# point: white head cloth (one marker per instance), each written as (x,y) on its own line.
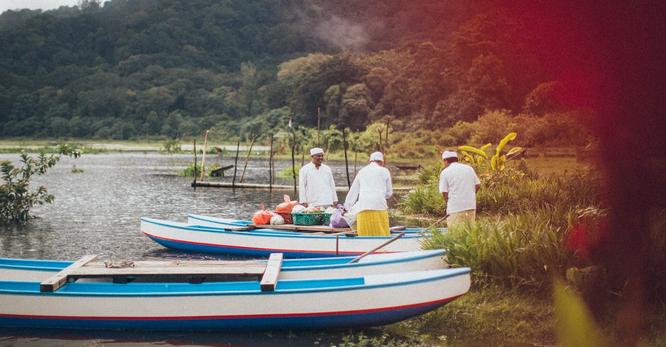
(316,151)
(377,156)
(449,154)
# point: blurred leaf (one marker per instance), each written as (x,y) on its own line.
(575,324)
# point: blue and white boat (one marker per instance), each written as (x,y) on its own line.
(217,222)
(262,242)
(308,268)
(324,303)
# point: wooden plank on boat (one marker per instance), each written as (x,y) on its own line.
(270,278)
(56,281)
(174,271)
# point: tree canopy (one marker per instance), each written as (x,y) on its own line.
(128,69)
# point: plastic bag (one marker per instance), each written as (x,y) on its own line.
(286,206)
(298,209)
(337,219)
(262,217)
(277,220)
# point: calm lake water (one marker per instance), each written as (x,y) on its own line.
(97,212)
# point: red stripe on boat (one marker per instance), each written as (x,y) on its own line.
(253,316)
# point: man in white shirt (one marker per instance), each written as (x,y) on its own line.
(366,200)
(458,184)
(315,182)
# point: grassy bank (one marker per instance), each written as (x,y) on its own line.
(490,316)
(532,228)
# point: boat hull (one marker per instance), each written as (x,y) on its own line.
(262,242)
(295,304)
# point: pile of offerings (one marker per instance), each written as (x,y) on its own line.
(290,212)
(311,215)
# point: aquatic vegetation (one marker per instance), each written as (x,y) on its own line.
(16,196)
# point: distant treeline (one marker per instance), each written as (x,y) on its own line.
(131,69)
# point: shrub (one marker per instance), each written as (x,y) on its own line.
(189,170)
(459,133)
(171,146)
(517,250)
(16,197)
(491,126)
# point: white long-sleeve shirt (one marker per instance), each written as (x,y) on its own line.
(316,186)
(371,187)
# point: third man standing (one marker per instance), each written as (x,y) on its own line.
(458,184)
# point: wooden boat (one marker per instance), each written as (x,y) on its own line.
(310,268)
(237,224)
(263,242)
(80,296)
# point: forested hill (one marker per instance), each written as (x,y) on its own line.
(133,68)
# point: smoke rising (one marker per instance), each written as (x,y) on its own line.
(332,29)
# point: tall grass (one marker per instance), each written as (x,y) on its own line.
(523,221)
(517,250)
(508,191)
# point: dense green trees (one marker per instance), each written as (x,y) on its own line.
(174,68)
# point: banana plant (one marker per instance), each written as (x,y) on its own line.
(480,158)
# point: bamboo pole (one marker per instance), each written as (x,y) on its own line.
(194,183)
(293,157)
(247,158)
(270,167)
(203,156)
(318,127)
(344,145)
(355,260)
(233,183)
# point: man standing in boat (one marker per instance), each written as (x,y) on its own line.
(367,196)
(458,184)
(315,182)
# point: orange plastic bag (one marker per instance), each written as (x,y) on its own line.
(286,206)
(262,217)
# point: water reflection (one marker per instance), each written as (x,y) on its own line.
(98,211)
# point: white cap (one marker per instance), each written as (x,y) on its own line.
(449,154)
(316,151)
(377,156)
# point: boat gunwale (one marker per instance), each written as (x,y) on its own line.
(442,275)
(242,223)
(400,257)
(269,232)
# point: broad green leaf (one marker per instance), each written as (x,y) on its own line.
(575,324)
(513,151)
(473,150)
(510,137)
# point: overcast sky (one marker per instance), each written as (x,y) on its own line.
(34,4)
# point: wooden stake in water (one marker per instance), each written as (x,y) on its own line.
(194,183)
(270,167)
(247,158)
(293,157)
(203,156)
(233,183)
(318,127)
